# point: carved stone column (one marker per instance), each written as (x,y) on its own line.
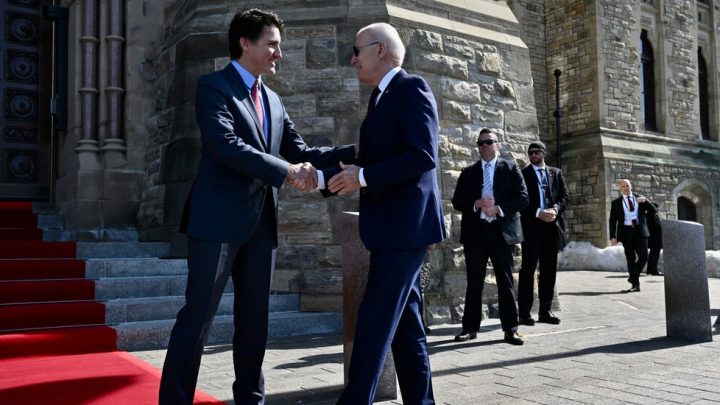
(114,145)
(88,150)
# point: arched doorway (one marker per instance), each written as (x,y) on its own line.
(686,210)
(694,203)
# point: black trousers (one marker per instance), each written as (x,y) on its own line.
(491,245)
(636,252)
(540,246)
(210,264)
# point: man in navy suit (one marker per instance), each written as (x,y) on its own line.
(231,214)
(490,195)
(400,216)
(544,231)
(628,225)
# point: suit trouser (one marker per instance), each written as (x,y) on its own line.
(209,266)
(389,317)
(636,252)
(540,245)
(491,245)
(653,260)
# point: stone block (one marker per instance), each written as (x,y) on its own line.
(321,53)
(687,302)
(313,302)
(355,266)
(181,160)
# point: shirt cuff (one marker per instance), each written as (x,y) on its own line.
(502,214)
(537,213)
(361,177)
(320,180)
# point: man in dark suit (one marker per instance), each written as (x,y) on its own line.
(231,214)
(490,195)
(400,216)
(544,231)
(628,225)
(654,243)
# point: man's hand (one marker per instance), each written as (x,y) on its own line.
(347,181)
(491,211)
(302,176)
(548,215)
(640,199)
(613,241)
(484,202)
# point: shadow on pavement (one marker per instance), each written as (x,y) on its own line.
(647,345)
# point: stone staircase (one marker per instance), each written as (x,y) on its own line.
(142,292)
(142,297)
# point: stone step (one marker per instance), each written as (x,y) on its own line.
(117,250)
(163,308)
(155,334)
(49,221)
(142,287)
(141,267)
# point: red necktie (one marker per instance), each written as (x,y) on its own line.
(373,97)
(255,94)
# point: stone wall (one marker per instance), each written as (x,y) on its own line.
(473,59)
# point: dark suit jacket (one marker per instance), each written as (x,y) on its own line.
(617,218)
(559,199)
(400,208)
(510,194)
(237,167)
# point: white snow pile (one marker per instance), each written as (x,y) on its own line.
(585,256)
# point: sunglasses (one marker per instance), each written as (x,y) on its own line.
(535,152)
(356,49)
(487,142)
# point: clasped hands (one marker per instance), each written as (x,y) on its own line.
(302,176)
(487,206)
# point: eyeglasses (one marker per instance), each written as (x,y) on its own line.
(487,142)
(356,49)
(535,152)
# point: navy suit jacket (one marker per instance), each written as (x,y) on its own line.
(510,195)
(237,166)
(617,218)
(400,208)
(559,199)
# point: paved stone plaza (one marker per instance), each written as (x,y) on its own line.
(610,348)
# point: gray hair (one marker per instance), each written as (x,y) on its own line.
(387,34)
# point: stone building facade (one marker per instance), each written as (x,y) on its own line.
(125,155)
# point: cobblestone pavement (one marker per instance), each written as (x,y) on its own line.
(611,348)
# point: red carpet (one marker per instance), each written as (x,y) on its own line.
(54,345)
(96,378)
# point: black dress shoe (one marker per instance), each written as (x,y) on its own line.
(529,321)
(513,338)
(465,336)
(635,288)
(656,274)
(549,318)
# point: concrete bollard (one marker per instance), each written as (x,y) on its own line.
(687,300)
(355,266)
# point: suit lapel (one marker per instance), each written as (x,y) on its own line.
(238,86)
(363,139)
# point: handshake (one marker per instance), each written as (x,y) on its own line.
(302,176)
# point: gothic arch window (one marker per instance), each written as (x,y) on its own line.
(647,81)
(686,210)
(704,100)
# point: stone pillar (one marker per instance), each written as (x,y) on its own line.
(355,266)
(114,146)
(88,150)
(687,301)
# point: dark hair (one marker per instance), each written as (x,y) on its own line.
(250,24)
